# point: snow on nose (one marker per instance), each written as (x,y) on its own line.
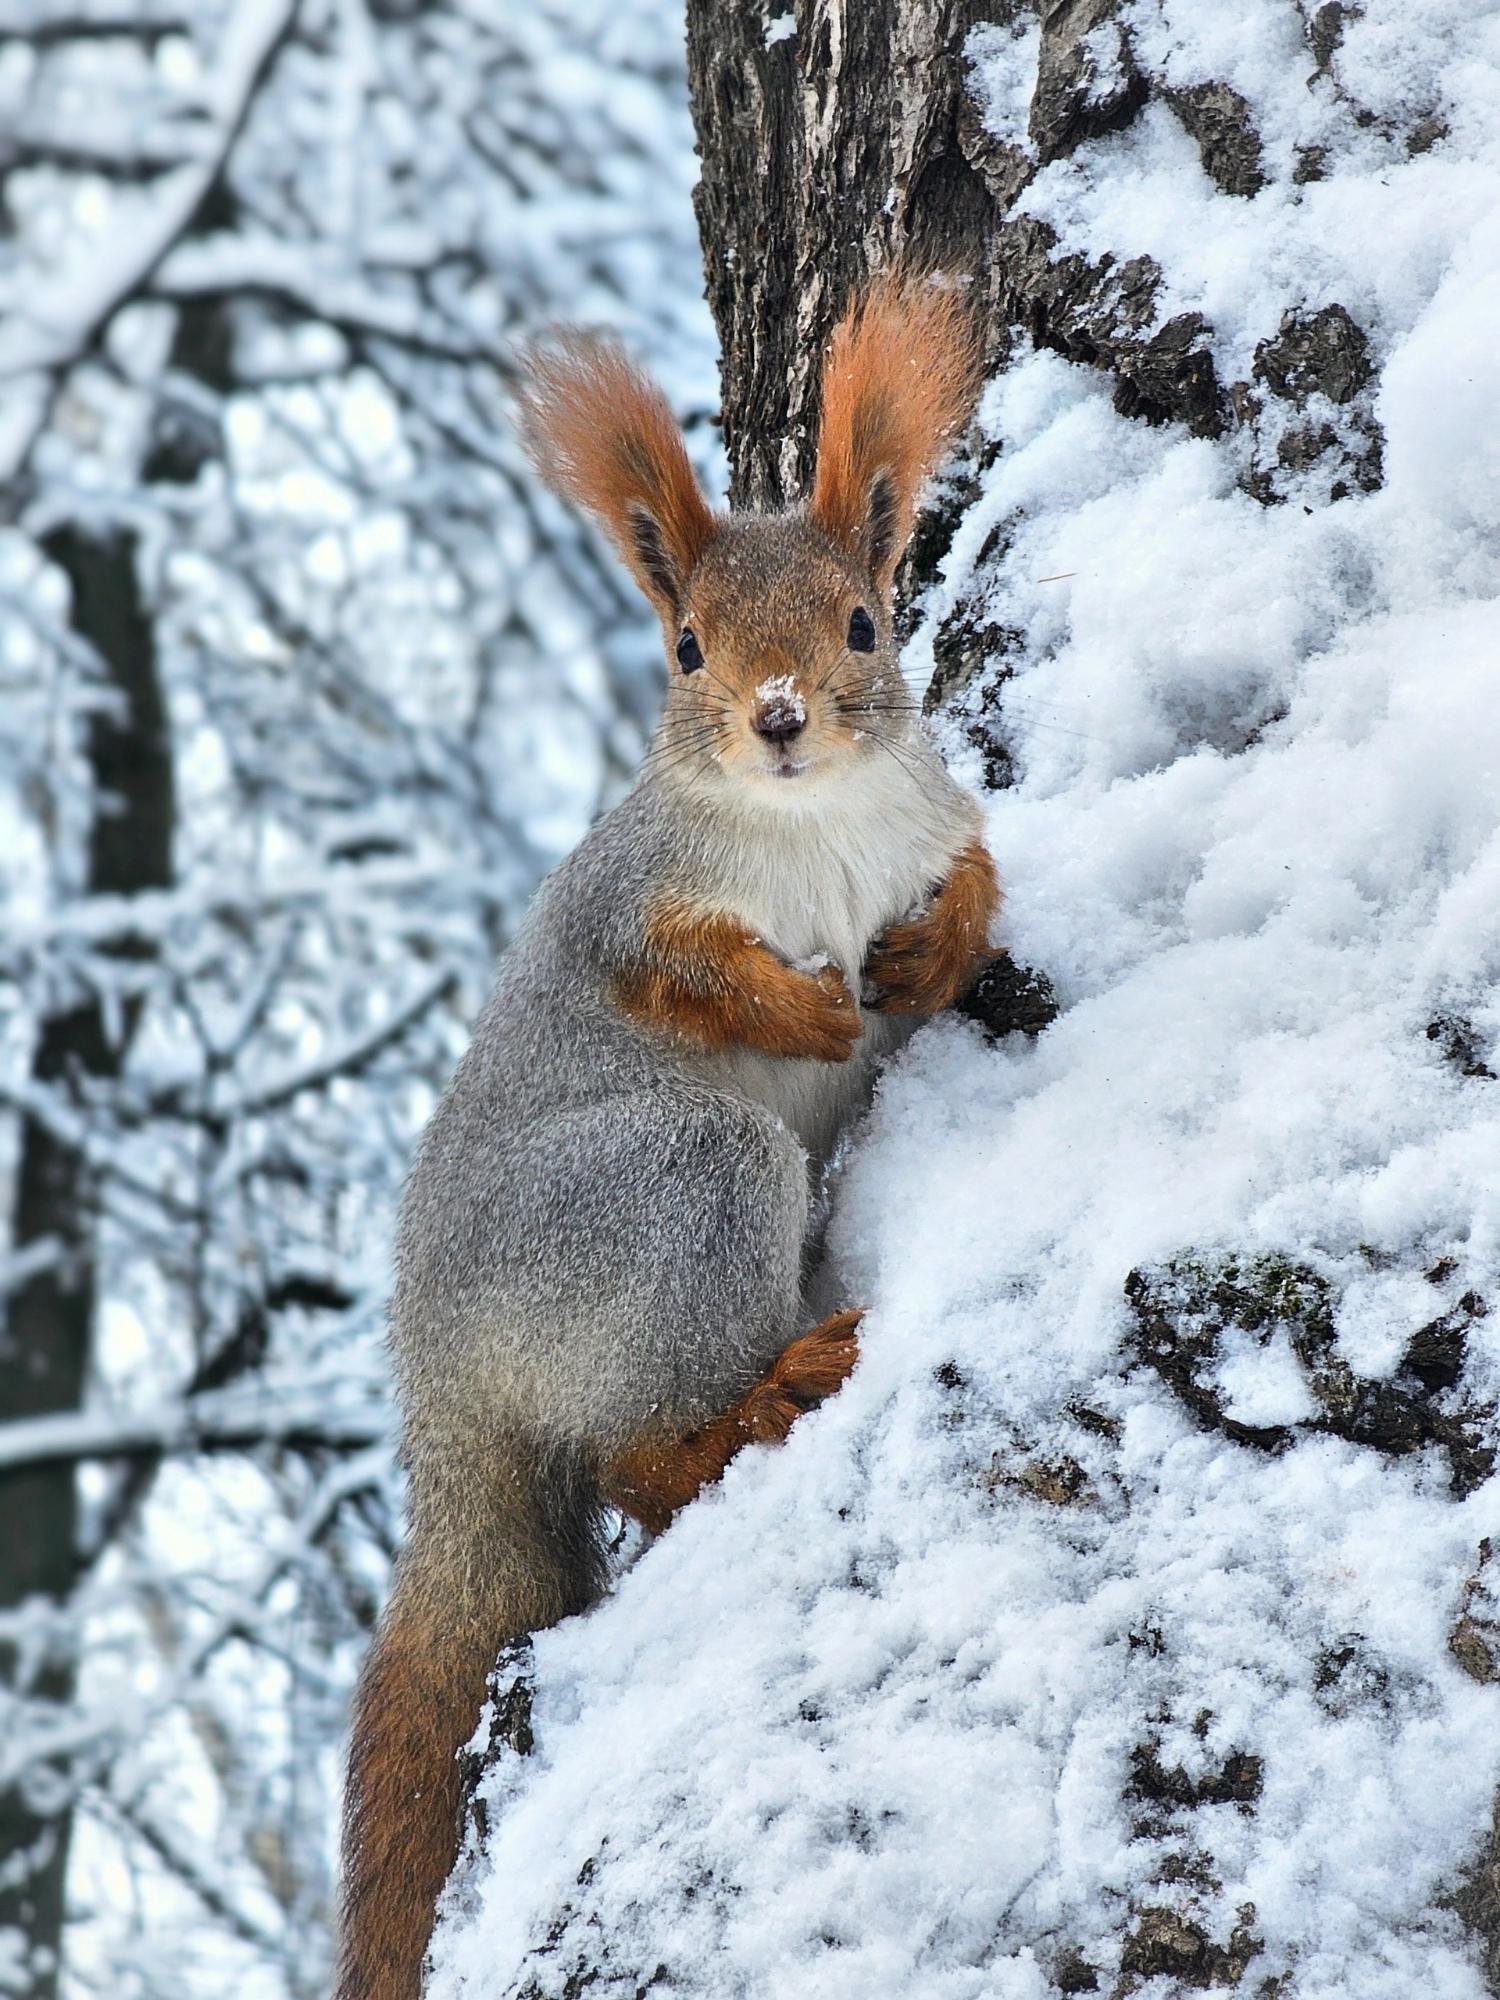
(780,712)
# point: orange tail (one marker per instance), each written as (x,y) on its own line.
(467,1584)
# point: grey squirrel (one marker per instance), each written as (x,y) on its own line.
(598,1298)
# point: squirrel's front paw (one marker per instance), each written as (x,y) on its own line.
(924,965)
(817,1017)
(913,968)
(704,975)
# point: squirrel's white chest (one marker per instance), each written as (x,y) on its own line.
(828,882)
(824,885)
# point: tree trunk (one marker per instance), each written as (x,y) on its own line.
(825,156)
(47,1334)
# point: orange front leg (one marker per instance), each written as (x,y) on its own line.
(704,975)
(925,965)
(659,1475)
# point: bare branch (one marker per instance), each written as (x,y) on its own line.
(44,27)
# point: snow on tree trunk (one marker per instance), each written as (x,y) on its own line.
(1129,1624)
(880,132)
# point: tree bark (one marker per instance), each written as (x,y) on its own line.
(47,1334)
(825,156)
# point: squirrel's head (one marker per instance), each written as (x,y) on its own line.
(780,657)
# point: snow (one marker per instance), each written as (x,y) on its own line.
(1003,75)
(865,1720)
(1375,234)
(781,29)
(781,692)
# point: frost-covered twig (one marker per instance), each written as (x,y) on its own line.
(349,1058)
(188,1869)
(302,275)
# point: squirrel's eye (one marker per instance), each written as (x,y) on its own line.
(861,631)
(689,655)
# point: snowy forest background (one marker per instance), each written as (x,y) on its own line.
(1129,1624)
(302,685)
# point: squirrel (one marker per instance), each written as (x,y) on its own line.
(600,1257)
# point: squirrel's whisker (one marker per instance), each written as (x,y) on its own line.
(908,760)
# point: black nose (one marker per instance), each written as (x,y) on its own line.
(779,725)
(778,711)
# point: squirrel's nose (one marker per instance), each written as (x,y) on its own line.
(780,712)
(779,725)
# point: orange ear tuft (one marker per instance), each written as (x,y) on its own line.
(600,432)
(899,378)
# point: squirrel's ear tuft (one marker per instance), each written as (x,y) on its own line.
(899,378)
(600,432)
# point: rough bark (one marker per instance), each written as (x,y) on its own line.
(823,155)
(46,1335)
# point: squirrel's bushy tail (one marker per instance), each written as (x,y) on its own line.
(493,1553)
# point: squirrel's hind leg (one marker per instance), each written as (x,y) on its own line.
(657,1476)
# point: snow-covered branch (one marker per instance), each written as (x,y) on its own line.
(335,1414)
(294,273)
(43,25)
(49,329)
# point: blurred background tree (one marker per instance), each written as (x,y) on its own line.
(303,684)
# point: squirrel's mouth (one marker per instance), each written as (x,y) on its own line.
(787,767)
